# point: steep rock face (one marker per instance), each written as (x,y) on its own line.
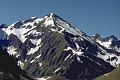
(9,70)
(51,46)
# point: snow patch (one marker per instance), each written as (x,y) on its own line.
(38,20)
(78,59)
(78,52)
(40,64)
(68,27)
(43,78)
(21,64)
(36,58)
(57,70)
(49,20)
(67,57)
(77,46)
(106,44)
(107,56)
(33,50)
(12,51)
(36,41)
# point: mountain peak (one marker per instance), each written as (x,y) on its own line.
(111,37)
(49,20)
(51,14)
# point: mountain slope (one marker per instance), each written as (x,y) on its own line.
(110,42)
(114,75)
(9,69)
(51,46)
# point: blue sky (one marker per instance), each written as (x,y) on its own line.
(90,16)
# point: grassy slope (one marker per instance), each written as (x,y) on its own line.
(114,75)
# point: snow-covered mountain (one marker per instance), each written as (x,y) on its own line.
(110,42)
(51,46)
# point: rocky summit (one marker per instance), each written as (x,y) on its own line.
(50,46)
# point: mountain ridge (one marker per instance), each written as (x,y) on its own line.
(51,46)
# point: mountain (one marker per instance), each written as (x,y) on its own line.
(114,75)
(110,42)
(50,46)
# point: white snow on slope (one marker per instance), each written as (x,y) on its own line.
(107,56)
(57,70)
(106,44)
(67,57)
(49,20)
(19,32)
(67,27)
(36,58)
(43,78)
(21,64)
(12,51)
(36,41)
(40,64)
(33,50)
(78,52)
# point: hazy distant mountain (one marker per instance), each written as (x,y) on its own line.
(50,46)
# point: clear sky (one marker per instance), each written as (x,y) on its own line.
(90,16)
